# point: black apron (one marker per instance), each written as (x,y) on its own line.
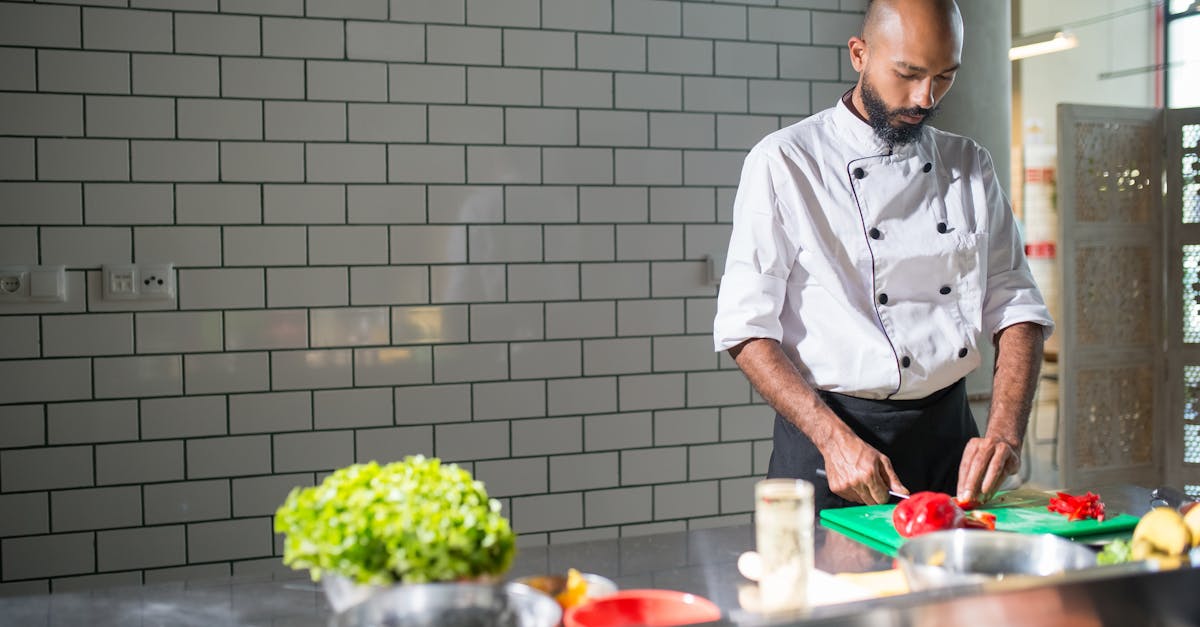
(924,439)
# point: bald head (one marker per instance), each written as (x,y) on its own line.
(932,18)
(907,58)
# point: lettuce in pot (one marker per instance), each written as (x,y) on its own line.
(412,521)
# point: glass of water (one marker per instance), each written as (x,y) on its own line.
(783,522)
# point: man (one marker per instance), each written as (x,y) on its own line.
(868,253)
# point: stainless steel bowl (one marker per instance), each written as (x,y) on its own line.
(965,556)
(453,605)
(597,585)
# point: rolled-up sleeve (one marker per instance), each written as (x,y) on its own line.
(757,264)
(1012,296)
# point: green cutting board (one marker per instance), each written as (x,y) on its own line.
(1023,511)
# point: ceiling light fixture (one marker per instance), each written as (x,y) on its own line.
(1041,43)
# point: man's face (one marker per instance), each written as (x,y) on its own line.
(895,125)
(907,59)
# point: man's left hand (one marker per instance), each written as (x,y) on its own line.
(986,463)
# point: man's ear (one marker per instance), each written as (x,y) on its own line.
(858,53)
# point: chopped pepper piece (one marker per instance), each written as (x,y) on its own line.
(980,520)
(1080,507)
(969,504)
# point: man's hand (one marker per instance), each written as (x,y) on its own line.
(989,460)
(857,472)
(986,463)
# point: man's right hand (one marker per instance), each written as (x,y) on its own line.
(857,472)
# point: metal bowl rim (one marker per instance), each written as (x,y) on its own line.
(1039,550)
(384,602)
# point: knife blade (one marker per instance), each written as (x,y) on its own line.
(821,473)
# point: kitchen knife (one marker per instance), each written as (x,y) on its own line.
(1166,496)
(821,473)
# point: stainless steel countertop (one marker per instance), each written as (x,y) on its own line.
(700,561)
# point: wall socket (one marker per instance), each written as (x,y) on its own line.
(147,281)
(27,284)
(11,282)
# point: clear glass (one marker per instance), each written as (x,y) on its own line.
(783,522)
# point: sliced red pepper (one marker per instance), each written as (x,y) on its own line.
(968,504)
(980,520)
(1081,507)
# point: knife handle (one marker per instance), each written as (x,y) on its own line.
(821,473)
(1166,496)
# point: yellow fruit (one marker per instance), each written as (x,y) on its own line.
(1141,549)
(575,592)
(1192,520)
(1164,530)
(1169,562)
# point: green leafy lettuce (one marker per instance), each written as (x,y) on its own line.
(412,521)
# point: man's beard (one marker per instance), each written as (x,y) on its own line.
(880,118)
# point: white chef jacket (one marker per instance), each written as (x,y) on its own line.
(875,269)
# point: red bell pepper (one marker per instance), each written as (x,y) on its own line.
(926,511)
(1080,507)
(933,511)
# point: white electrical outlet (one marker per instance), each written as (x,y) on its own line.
(156,281)
(152,281)
(14,283)
(25,284)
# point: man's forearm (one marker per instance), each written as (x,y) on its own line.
(776,378)
(855,471)
(1018,362)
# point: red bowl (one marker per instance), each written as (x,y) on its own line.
(652,608)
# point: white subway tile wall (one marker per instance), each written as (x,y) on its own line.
(467,228)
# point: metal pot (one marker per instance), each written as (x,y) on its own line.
(966,556)
(453,605)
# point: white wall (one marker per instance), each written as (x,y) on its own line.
(979,105)
(467,228)
(1111,45)
(1073,76)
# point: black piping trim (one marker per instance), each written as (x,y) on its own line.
(874,301)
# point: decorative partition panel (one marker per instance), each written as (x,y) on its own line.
(1111,367)
(1182,204)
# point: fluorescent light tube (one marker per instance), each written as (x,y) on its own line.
(1042,43)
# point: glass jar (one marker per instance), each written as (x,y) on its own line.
(783,522)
